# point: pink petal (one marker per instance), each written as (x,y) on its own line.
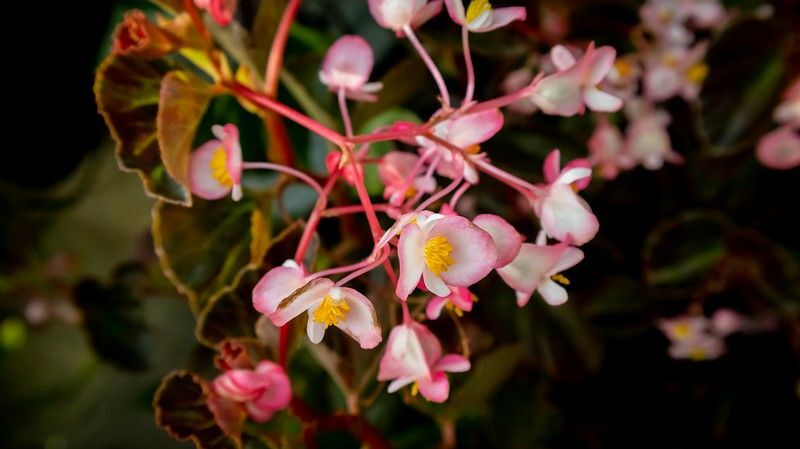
(455,8)
(404,357)
(661,83)
(279,392)
(275,286)
(553,294)
(779,149)
(348,63)
(258,413)
(600,101)
(531,266)
(574,173)
(434,308)
(300,301)
(201,179)
(501,17)
(452,363)
(436,389)
(361,322)
(565,217)
(412,259)
(426,13)
(602,62)
(570,257)
(561,57)
(474,254)
(552,166)
(559,94)
(475,128)
(428,342)
(434,284)
(580,163)
(461,297)
(506,239)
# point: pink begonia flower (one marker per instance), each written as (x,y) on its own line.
(393,172)
(459,300)
(788,112)
(623,78)
(574,87)
(675,71)
(666,20)
(347,66)
(647,139)
(443,251)
(480,17)
(690,338)
(285,292)
(564,215)
(466,132)
(506,239)
(414,356)
(779,149)
(515,81)
(607,150)
(263,390)
(538,268)
(396,14)
(215,169)
(222,11)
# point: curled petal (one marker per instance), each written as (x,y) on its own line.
(410,252)
(361,322)
(473,129)
(275,286)
(452,363)
(436,388)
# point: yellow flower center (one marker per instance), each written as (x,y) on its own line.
(476,8)
(437,254)
(415,389)
(451,307)
(698,73)
(331,311)
(698,354)
(219,168)
(560,278)
(623,68)
(682,331)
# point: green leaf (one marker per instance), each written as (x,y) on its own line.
(182,410)
(171,6)
(486,377)
(127,92)
(183,100)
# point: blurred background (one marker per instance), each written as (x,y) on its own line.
(89,325)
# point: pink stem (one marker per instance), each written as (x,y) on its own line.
(470,68)
(273,70)
(459,193)
(388,135)
(437,76)
(344,269)
(508,99)
(315,217)
(288,170)
(525,188)
(442,192)
(348,125)
(364,269)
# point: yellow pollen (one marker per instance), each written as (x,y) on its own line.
(415,389)
(451,307)
(473,297)
(437,254)
(476,8)
(698,354)
(331,311)
(623,68)
(698,73)
(560,278)
(219,168)
(682,331)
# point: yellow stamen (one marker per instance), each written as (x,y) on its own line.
(451,307)
(331,311)
(415,389)
(473,149)
(698,73)
(476,8)
(560,278)
(682,331)
(410,192)
(473,297)
(219,168)
(437,254)
(623,68)
(698,354)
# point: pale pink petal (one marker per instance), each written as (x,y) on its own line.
(300,301)
(532,264)
(275,286)
(580,163)
(258,413)
(396,385)
(435,306)
(461,297)
(452,363)
(565,217)
(361,322)
(570,257)
(573,174)
(201,180)
(725,322)
(314,330)
(600,101)
(474,253)
(348,63)
(523,298)
(559,94)
(661,83)
(412,259)
(779,149)
(475,128)
(428,341)
(434,283)
(562,58)
(279,392)
(436,389)
(552,166)
(602,62)
(404,357)
(499,18)
(426,13)
(552,293)
(506,239)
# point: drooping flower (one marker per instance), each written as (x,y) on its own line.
(538,268)
(222,11)
(675,71)
(623,78)
(215,169)
(414,356)
(466,132)
(394,171)
(780,149)
(263,390)
(443,252)
(285,292)
(574,87)
(347,66)
(460,300)
(138,36)
(396,14)
(563,214)
(480,17)
(607,150)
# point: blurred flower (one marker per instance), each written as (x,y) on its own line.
(607,149)
(222,11)
(675,71)
(263,390)
(215,169)
(394,171)
(414,356)
(779,149)
(648,141)
(538,268)
(515,81)
(137,36)
(725,322)
(623,78)
(690,337)
(347,66)
(396,14)
(788,112)
(480,17)
(459,300)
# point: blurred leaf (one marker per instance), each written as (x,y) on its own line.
(265,23)
(113,319)
(401,82)
(486,377)
(182,410)
(235,41)
(306,101)
(183,101)
(127,92)
(680,251)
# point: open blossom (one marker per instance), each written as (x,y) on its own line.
(507,240)
(480,17)
(394,171)
(666,20)
(215,169)
(574,88)
(443,251)
(647,139)
(537,268)
(222,11)
(414,356)
(396,14)
(690,337)
(466,132)
(607,150)
(675,71)
(780,149)
(788,112)
(347,66)
(285,292)
(563,214)
(263,390)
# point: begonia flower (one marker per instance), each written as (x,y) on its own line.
(537,268)
(459,300)
(507,240)
(215,169)
(480,17)
(347,66)
(607,150)
(396,14)
(263,390)
(394,169)
(780,149)
(788,112)
(690,338)
(675,71)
